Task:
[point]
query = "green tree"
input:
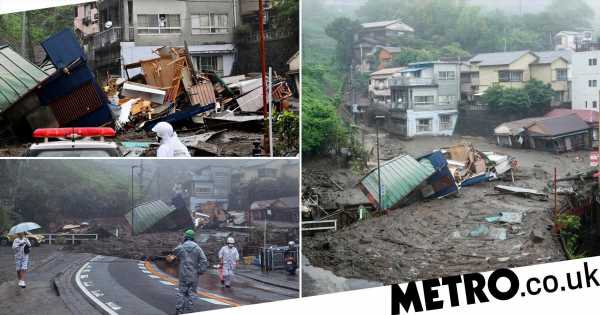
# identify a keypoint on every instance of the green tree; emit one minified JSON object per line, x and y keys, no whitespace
{"x":540,"y":96}
{"x":343,"y":30}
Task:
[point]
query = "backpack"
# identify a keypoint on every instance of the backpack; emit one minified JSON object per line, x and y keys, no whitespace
{"x":26,"y":249}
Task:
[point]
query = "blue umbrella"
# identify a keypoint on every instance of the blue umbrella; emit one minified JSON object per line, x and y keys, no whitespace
{"x":23,"y":227}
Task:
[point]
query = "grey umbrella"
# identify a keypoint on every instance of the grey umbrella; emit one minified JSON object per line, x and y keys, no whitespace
{"x":23,"y":227}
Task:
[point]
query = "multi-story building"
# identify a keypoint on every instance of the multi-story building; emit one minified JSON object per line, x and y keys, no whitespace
{"x":425,"y":99}
{"x":569,"y":40}
{"x":131,"y":29}
{"x":374,"y":35}
{"x":211,"y":184}
{"x":86,"y":19}
{"x":379,"y":86}
{"x":514,"y":69}
{"x":586,"y":76}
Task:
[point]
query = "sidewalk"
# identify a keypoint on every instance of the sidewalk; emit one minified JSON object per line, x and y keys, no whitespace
{"x":279,"y":278}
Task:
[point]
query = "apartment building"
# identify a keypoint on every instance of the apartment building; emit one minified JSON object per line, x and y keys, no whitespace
{"x":586,"y":75}
{"x":375,"y":35}
{"x":379,"y":86}
{"x":514,"y":69}
{"x":571,"y":40}
{"x":131,"y":29}
{"x":425,"y":99}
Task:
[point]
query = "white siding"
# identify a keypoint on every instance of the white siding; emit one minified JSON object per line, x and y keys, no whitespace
{"x":582,"y":74}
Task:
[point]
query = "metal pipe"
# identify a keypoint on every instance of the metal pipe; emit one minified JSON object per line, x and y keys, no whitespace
{"x":378,"y":164}
{"x":271,"y":111}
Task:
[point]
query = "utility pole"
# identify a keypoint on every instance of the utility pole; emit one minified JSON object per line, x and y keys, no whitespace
{"x":25,"y":36}
{"x":132,"y":202}
{"x":377,"y":119}
{"x":261,"y":53}
{"x":270,"y":111}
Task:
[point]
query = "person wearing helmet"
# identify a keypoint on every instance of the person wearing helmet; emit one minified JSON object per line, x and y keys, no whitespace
{"x":229,"y":257}
{"x":170,"y":145}
{"x":192,"y":263}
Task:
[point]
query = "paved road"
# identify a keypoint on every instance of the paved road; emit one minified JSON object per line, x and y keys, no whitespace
{"x":124,"y":286}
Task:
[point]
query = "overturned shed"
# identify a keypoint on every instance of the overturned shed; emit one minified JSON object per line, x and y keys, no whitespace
{"x":157,"y":216}
{"x":400,"y":178}
{"x":441,"y":183}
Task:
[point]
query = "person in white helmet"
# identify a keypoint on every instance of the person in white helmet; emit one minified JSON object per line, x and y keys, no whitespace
{"x":170,"y":145}
{"x":229,"y":257}
{"x":290,"y":256}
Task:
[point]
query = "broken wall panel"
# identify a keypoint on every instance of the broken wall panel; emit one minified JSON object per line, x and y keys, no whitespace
{"x":80,"y":102}
{"x":202,"y":94}
{"x":251,"y":102}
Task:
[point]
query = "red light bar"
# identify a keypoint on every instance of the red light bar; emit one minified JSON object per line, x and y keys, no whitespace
{"x":74,"y":132}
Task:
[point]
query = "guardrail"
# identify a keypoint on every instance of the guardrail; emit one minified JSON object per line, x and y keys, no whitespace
{"x":318,"y":225}
{"x":69,"y":237}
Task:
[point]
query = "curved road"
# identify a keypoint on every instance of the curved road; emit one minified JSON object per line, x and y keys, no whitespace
{"x":124,"y":286}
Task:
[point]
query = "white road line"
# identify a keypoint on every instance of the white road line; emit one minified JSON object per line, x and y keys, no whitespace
{"x":113,"y":306}
{"x":154,"y":277}
{"x":214,"y":301}
{"x":87,"y":284}
{"x":97,"y":293}
{"x":85,"y":291}
{"x":145,"y":271}
{"x":166,"y":282}
{"x":84,"y":276}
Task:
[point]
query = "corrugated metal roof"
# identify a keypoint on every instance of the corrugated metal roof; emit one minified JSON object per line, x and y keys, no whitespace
{"x":550,"y":56}
{"x":555,"y":126}
{"x":399,"y":177}
{"x":498,"y":58}
{"x":17,"y":77}
{"x":588,"y":115}
{"x":148,"y":214}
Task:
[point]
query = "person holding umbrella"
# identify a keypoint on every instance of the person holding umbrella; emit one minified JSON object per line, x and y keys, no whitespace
{"x":21,"y":246}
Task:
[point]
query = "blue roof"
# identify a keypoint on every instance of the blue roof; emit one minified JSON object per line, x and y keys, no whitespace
{"x":412,"y":69}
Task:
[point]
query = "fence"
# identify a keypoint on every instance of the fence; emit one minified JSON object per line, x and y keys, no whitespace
{"x":319,"y":225}
{"x":63,"y":238}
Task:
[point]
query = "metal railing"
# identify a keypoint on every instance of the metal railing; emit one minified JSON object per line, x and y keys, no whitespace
{"x":63,"y":238}
{"x":411,"y":81}
{"x":111,"y":36}
{"x":323,"y":225}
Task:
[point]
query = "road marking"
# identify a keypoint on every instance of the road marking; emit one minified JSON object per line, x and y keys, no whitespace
{"x":166,"y":282}
{"x":97,"y":293}
{"x":84,"y":276}
{"x":210,"y":296}
{"x":85,"y":291}
{"x":87,"y":284}
{"x":214,"y":301}
{"x":154,"y":277}
{"x":145,"y":271}
{"x":113,"y":306}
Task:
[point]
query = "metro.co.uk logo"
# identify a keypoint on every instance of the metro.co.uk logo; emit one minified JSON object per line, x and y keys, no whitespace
{"x":470,"y":288}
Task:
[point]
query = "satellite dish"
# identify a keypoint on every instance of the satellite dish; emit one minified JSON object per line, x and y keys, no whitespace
{"x":108,"y":24}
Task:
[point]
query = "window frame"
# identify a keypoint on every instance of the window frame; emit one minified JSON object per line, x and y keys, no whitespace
{"x":446,"y":75}
{"x":160,"y":30}
{"x":426,"y":102}
{"x":212,"y":28}
{"x":445,"y":125}
{"x":424,"y":127}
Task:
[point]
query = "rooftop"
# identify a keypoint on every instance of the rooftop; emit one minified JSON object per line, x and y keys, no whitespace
{"x":498,"y":58}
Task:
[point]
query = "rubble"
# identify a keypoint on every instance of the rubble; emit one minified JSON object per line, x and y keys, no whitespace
{"x":165,"y":88}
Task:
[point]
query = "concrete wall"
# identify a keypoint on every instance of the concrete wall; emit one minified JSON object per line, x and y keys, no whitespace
{"x":582,"y":73}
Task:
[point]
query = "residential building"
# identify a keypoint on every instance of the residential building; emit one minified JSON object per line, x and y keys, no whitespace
{"x":374,"y":35}
{"x":514,"y":69}
{"x":556,"y":134}
{"x":210,"y":184}
{"x":587,"y":115}
{"x":586,"y":75}
{"x":571,"y":40}
{"x":425,"y":99}
{"x":131,"y":29}
{"x":379,"y":86}
{"x":86,"y":19}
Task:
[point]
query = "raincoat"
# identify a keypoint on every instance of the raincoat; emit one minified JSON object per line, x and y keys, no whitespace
{"x":170,"y":145}
{"x":192,"y":263}
{"x":229,"y":258}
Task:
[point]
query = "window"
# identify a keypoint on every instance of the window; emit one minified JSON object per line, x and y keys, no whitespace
{"x":423,"y":125}
{"x":200,"y":190}
{"x":510,"y":76}
{"x":447,"y":75}
{"x":209,"y":63}
{"x":561,"y":75}
{"x":594,"y":104}
{"x":209,"y":24}
{"x":424,"y":100}
{"x":158,"y":23}
{"x":592,"y":61}
{"x":592,"y":83}
{"x":445,"y":122}
{"x":447,"y":99}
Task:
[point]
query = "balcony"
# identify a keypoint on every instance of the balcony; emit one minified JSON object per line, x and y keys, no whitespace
{"x":412,"y":81}
{"x":110,"y":36}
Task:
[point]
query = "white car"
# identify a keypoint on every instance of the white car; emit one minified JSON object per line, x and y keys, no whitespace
{"x":74,"y":142}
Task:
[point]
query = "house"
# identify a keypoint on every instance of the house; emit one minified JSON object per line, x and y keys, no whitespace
{"x":131,"y":30}
{"x":379,"y":86}
{"x":425,"y":99}
{"x":281,"y":211}
{"x":86,"y":20}
{"x":572,"y":40}
{"x":211,"y":184}
{"x":553,"y":134}
{"x":586,"y":75}
{"x":384,"y":56}
{"x":513,"y":69}
{"x":589,"y":116}
{"x":374,"y":35}
{"x":157,"y":216}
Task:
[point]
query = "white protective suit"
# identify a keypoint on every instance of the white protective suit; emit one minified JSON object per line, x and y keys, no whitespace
{"x":170,"y":145}
{"x":229,"y":257}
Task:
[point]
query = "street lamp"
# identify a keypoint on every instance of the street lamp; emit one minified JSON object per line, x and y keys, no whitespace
{"x":267,"y":214}
{"x":132,"y":201}
{"x":377,"y":120}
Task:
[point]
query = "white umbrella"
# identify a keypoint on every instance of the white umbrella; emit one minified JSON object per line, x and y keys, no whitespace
{"x":23,"y":227}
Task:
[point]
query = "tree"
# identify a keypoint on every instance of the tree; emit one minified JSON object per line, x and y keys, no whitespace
{"x":343,"y":30}
{"x":534,"y":98}
{"x":540,"y":96}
